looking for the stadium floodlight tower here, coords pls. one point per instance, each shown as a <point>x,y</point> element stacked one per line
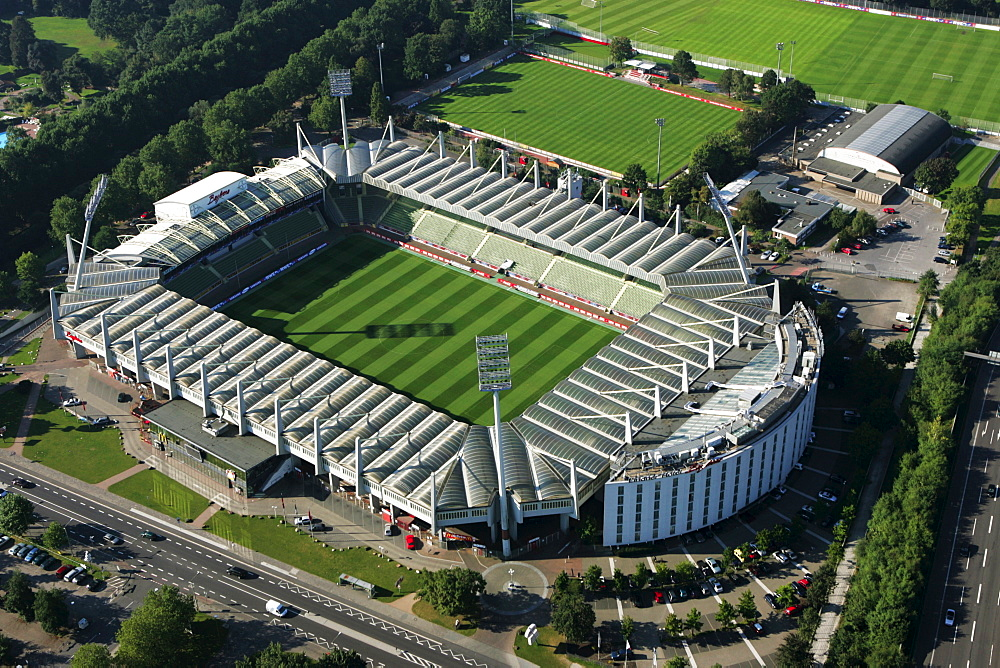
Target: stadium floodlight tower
<point>340,86</point>
<point>88,216</point>
<point>493,361</point>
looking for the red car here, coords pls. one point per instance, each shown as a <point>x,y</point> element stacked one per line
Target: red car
<point>847,251</point>
<point>889,209</point>
<point>61,571</point>
<point>411,542</point>
<point>901,328</point>
<point>146,215</point>
<point>805,582</point>
<point>658,597</point>
<point>856,246</point>
<point>793,610</point>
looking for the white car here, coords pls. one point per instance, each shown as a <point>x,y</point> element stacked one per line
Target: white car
<point>716,585</point>
<point>774,256</point>
<point>714,564</point>
<point>765,256</point>
<point>275,608</point>
<point>781,557</point>
<point>71,402</point>
<point>827,495</point>
<point>306,520</point>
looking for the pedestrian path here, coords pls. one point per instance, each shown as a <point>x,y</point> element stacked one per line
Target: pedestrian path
<point>118,477</point>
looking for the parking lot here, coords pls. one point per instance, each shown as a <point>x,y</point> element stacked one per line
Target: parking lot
<point>738,647</point>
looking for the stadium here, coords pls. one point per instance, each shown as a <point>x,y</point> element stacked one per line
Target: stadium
<point>698,399</point>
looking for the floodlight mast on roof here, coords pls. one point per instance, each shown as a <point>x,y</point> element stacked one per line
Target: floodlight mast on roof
<point>493,362</point>
<point>88,216</point>
<point>340,86</point>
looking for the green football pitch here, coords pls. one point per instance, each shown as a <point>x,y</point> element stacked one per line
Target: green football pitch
<point>838,51</point>
<point>581,115</point>
<point>411,324</point>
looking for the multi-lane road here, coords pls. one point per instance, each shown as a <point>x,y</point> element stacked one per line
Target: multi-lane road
<point>197,564</point>
<point>970,584</point>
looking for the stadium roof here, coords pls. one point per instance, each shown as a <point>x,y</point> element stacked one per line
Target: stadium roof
<point>202,188</point>
<point>894,137</point>
<point>173,241</point>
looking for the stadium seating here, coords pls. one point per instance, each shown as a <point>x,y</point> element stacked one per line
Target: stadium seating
<point>349,209</point>
<point>528,261</point>
<point>194,282</point>
<point>401,216</point>
<point>293,228</point>
<point>583,281</point>
<point>373,208</point>
<point>242,257</point>
<point>637,300</point>
<point>464,238</point>
<point>434,227</point>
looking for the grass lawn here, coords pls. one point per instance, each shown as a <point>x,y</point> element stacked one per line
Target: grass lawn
<point>155,490</point>
<point>26,354</point>
<point>70,35</point>
<point>425,610</point>
<point>327,305</point>
<point>549,650</point>
<point>971,161</point>
<point>838,51</point>
<point>11,410</point>
<point>60,441</point>
<point>281,541</point>
<point>581,115</point>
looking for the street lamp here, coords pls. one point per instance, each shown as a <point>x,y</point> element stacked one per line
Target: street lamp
<point>780,46</point>
<point>791,60</point>
<point>659,143</point>
<point>380,46</point>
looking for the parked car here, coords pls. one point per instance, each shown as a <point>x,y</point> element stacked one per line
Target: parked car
<point>940,260</point>
<point>944,252</point>
<point>842,313</point>
<point>798,589</point>
<point>714,564</point>
<point>805,582</point>
<point>73,573</point>
<point>771,600</point>
<point>658,597</point>
<point>856,246</point>
<point>14,548</point>
<point>124,397</point>
<point>793,610</point>
<point>780,557</point>
<point>827,495</point>
<point>62,571</point>
<point>837,479</point>
<point>81,577</point>
<point>411,542</point>
<point>20,554</point>
<point>774,256</point>
<point>889,209</point>
<point>71,402</point>
<point>991,489</point>
<point>623,654</point>
<point>706,589</point>
<point>900,328</point>
<point>949,617</point>
<point>756,628</point>
<point>847,251</point>
<point>306,520</point>
<point>4,540</point>
<point>716,585</point>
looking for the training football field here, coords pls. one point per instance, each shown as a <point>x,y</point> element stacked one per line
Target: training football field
<point>838,51</point>
<point>411,324</point>
<point>581,115</point>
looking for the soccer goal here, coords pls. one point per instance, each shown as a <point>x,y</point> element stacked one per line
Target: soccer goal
<point>943,77</point>
<point>589,3</point>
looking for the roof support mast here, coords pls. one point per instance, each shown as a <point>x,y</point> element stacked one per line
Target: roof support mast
<point>88,215</point>
<point>720,206</point>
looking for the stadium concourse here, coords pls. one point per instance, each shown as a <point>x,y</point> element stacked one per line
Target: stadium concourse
<point>709,377</point>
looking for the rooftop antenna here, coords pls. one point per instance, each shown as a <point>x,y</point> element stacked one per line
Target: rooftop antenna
<point>88,215</point>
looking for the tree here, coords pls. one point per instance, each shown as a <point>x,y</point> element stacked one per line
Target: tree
<point>743,85</point>
<point>786,595</point>
<point>898,353</point>
<point>635,177</point>
<point>273,656</point>
<point>379,107</point>
<point>787,101</point>
<point>489,22</point>
<point>188,141</point>
<point>693,622</point>
<point>340,657</point>
<point>628,627</point>
<point>440,11</point>
<point>796,651</point>
<point>421,56</point>
<point>673,626</point>
<point>677,662</point>
<point>747,607</point>
<point>325,114</point>
<point>684,67</point>
<point>51,610</point>
<point>19,598</point>
<point>726,614</point>
<point>55,537</point>
<point>29,267</point>
<point>936,174</point>
<point>573,617</point>
<point>486,153</point>
<point>16,514</point>
<point>592,577</point>
<point>685,571</point>
<point>52,86</point>
<point>158,634</point>
<point>42,57</point>
<point>726,81</point>
<point>92,655</point>
<point>22,36</point>
<point>157,180</point>
<point>756,212</point>
<point>863,224</point>
<point>454,591</point>
<point>642,573</point>
<point>228,144</point>
<point>66,217</point>
<point>620,49</point>
<point>4,43</point>
<point>663,573</point>
<point>619,581</point>
<point>769,80</point>
<point>928,285</point>
<point>943,113</point>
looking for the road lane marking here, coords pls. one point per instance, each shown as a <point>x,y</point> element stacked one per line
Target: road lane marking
<point>985,553</point>
<point>979,593</point>
<point>972,638</point>
<point>990,530</point>
<point>991,655</point>
<point>974,520</point>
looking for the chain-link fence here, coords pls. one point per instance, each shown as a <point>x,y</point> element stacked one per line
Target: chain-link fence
<point>916,12</point>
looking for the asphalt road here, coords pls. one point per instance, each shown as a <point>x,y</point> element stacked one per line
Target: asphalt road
<point>969,585</point>
<point>184,559</point>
